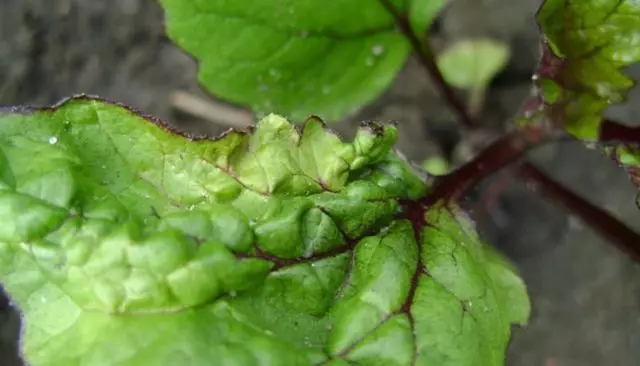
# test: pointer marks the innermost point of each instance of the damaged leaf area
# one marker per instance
(126, 243)
(587, 44)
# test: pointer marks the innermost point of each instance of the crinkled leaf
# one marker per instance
(126, 243)
(588, 43)
(472, 63)
(295, 58)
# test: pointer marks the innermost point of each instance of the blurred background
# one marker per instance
(586, 295)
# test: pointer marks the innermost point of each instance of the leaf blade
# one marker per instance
(295, 224)
(295, 59)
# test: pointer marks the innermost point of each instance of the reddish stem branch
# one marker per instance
(512, 147)
(508, 149)
(611, 228)
(611, 131)
(427, 58)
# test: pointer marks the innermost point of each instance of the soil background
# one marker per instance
(586, 295)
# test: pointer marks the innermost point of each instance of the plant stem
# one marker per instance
(507, 149)
(427, 59)
(611, 228)
(476, 100)
(511, 148)
(611, 131)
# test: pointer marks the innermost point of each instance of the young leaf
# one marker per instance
(436, 165)
(471, 64)
(138, 245)
(295, 58)
(587, 43)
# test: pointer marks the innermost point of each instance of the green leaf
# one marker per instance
(628, 158)
(588, 43)
(138, 245)
(436, 165)
(296, 58)
(471, 64)
(463, 308)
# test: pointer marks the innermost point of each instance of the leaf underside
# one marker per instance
(126, 243)
(295, 58)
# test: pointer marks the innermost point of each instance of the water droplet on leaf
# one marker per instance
(377, 50)
(53, 140)
(370, 61)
